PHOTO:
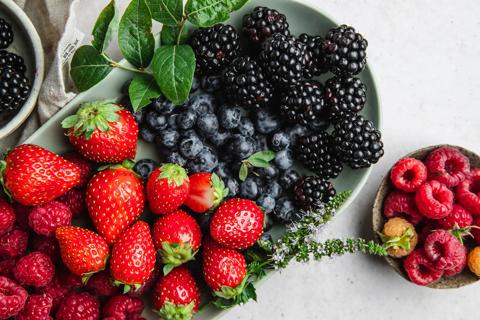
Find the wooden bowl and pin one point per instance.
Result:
(460, 280)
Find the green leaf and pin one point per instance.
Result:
(88, 67)
(266, 155)
(243, 173)
(169, 35)
(173, 69)
(135, 37)
(206, 13)
(259, 163)
(142, 90)
(106, 25)
(168, 12)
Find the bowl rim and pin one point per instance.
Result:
(463, 279)
(36, 44)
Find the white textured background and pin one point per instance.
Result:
(425, 55)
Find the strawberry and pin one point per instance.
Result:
(225, 272)
(167, 188)
(177, 236)
(115, 199)
(237, 223)
(33, 175)
(207, 191)
(103, 131)
(133, 257)
(176, 295)
(83, 251)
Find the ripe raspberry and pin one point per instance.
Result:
(35, 269)
(79, 306)
(419, 269)
(462, 263)
(100, 284)
(6, 268)
(22, 212)
(401, 204)
(474, 261)
(123, 307)
(408, 174)
(38, 307)
(86, 167)
(68, 279)
(475, 231)
(12, 298)
(468, 192)
(45, 219)
(434, 200)
(7, 217)
(46, 245)
(74, 199)
(14, 243)
(443, 249)
(57, 290)
(448, 166)
(459, 216)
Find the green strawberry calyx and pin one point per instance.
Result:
(175, 254)
(126, 164)
(171, 311)
(219, 190)
(402, 241)
(173, 173)
(92, 116)
(126, 286)
(3, 166)
(229, 297)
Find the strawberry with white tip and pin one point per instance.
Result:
(207, 191)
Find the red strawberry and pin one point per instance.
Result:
(33, 175)
(7, 217)
(207, 191)
(83, 251)
(176, 295)
(115, 199)
(103, 132)
(167, 188)
(177, 236)
(237, 223)
(133, 257)
(224, 270)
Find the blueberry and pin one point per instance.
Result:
(202, 103)
(266, 202)
(177, 158)
(234, 167)
(211, 83)
(288, 178)
(266, 122)
(218, 139)
(172, 121)
(190, 146)
(233, 187)
(186, 120)
(230, 117)
(268, 173)
(284, 210)
(168, 138)
(204, 222)
(145, 167)
(261, 142)
(279, 141)
(297, 132)
(249, 189)
(222, 170)
(241, 146)
(139, 116)
(268, 222)
(272, 189)
(195, 85)
(156, 121)
(246, 127)
(147, 134)
(207, 123)
(284, 159)
(205, 161)
(163, 105)
(125, 86)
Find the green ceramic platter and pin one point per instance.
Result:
(302, 18)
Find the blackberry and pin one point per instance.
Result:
(246, 84)
(311, 191)
(304, 103)
(263, 22)
(357, 141)
(318, 63)
(215, 47)
(317, 153)
(12, 60)
(6, 34)
(14, 89)
(345, 96)
(345, 51)
(284, 59)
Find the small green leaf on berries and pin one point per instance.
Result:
(243, 173)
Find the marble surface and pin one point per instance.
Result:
(425, 54)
